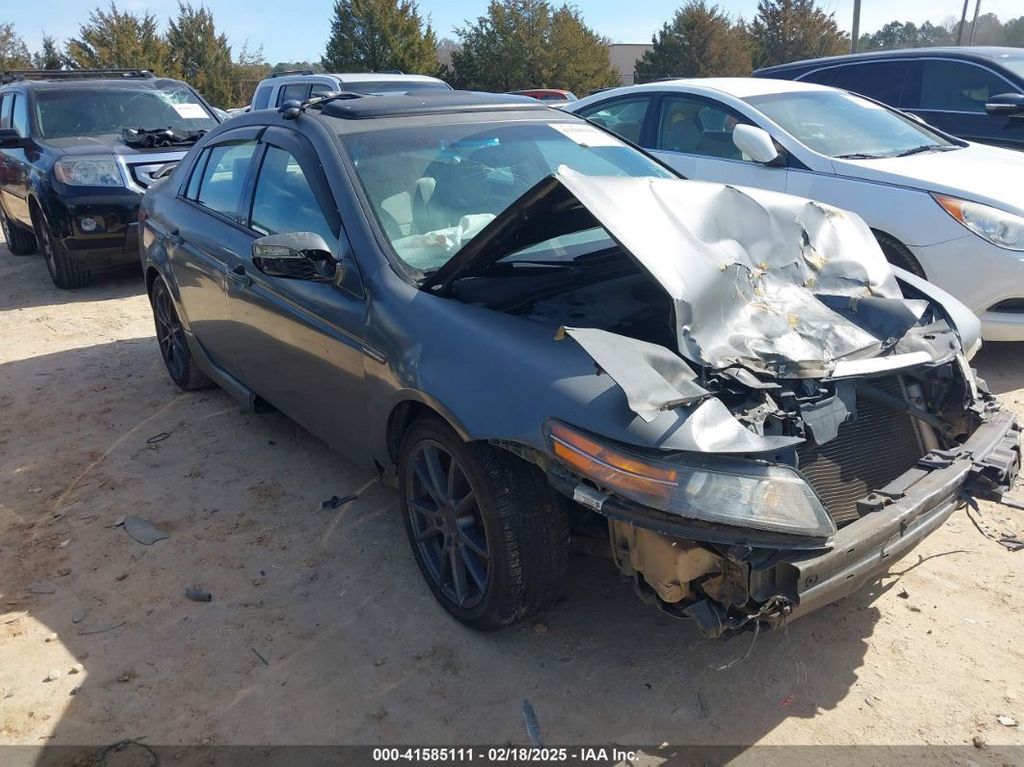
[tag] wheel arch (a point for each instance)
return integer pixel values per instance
(911, 264)
(411, 406)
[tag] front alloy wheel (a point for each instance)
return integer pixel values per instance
(489, 534)
(446, 522)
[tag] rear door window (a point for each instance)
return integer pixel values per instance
(222, 184)
(958, 86)
(6, 102)
(880, 80)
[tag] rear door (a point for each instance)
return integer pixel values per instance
(693, 134)
(951, 95)
(208, 247)
(300, 342)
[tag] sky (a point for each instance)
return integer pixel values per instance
(297, 30)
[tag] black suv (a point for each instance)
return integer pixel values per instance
(77, 151)
(974, 92)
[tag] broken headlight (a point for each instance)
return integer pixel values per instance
(98, 170)
(729, 491)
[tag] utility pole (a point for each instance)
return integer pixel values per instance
(963, 21)
(855, 35)
(974, 24)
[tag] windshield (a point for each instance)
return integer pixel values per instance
(377, 87)
(1011, 62)
(434, 189)
(841, 125)
(63, 113)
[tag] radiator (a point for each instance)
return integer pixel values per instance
(866, 455)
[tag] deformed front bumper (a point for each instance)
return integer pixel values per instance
(916, 505)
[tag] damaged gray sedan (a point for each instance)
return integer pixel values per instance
(538, 332)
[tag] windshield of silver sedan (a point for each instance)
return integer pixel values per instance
(844, 126)
(433, 189)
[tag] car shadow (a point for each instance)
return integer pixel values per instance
(320, 629)
(1001, 365)
(15, 271)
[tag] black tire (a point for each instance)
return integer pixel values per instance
(896, 253)
(512, 514)
(170, 336)
(19, 241)
(64, 272)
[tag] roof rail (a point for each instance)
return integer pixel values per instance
(293, 107)
(11, 75)
(293, 72)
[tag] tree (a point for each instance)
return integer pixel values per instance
(115, 38)
(1013, 32)
(504, 50)
(525, 43)
(49, 56)
(789, 30)
(699, 41)
(13, 51)
(297, 66)
(200, 56)
(578, 56)
(376, 35)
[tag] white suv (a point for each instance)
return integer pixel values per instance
(286, 86)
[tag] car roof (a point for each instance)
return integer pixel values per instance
(150, 83)
(738, 87)
(982, 53)
(429, 103)
(353, 77)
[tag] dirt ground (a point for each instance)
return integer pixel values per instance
(321, 630)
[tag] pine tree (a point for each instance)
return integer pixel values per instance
(790, 30)
(379, 35)
(700, 41)
(116, 38)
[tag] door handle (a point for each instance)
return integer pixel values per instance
(239, 276)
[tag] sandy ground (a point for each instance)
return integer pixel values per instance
(321, 630)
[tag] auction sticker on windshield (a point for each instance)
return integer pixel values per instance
(586, 135)
(189, 111)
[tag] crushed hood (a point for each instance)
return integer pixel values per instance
(759, 279)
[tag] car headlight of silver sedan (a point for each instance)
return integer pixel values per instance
(997, 226)
(93, 170)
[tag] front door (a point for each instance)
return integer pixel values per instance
(694, 136)
(951, 95)
(300, 342)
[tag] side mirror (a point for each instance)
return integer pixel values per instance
(9, 139)
(1006, 105)
(295, 256)
(755, 143)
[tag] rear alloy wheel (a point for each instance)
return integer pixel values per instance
(64, 272)
(19, 241)
(488, 533)
(170, 335)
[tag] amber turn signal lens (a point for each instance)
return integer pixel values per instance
(609, 467)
